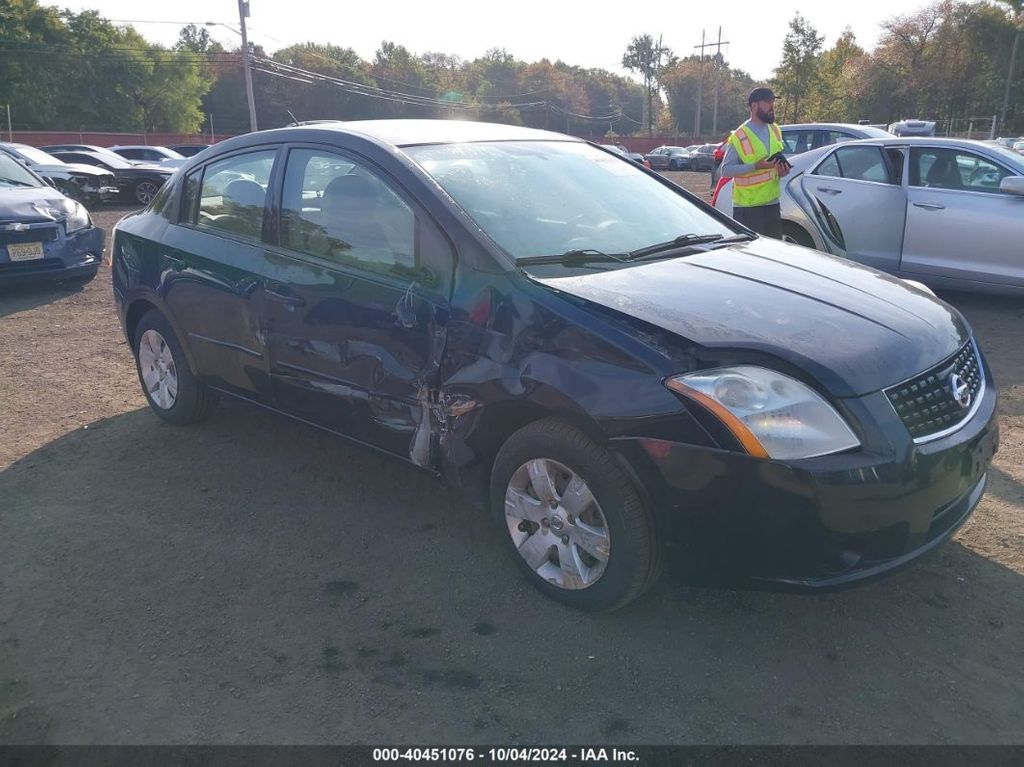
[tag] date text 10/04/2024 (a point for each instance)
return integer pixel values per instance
(503, 754)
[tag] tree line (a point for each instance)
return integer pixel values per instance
(61, 70)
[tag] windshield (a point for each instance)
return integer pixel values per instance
(872, 132)
(538, 198)
(1010, 157)
(37, 156)
(13, 173)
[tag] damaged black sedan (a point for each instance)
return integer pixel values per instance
(610, 367)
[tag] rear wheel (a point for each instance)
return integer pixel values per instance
(571, 518)
(170, 388)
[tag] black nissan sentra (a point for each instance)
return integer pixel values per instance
(610, 367)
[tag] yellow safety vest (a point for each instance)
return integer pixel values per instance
(759, 187)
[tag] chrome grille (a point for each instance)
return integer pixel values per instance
(926, 404)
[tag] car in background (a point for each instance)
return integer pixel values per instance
(621, 151)
(703, 157)
(913, 128)
(942, 211)
(601, 361)
(135, 182)
(78, 181)
(157, 155)
(798, 138)
(188, 150)
(44, 235)
(668, 158)
(100, 150)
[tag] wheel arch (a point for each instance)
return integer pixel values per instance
(137, 309)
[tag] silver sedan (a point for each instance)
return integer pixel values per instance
(947, 212)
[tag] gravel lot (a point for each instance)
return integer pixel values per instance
(251, 580)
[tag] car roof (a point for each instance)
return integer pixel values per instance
(401, 133)
(137, 146)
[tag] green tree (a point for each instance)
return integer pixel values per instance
(647, 58)
(796, 75)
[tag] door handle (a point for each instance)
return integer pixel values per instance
(283, 298)
(930, 205)
(829, 190)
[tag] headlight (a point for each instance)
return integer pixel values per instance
(771, 414)
(76, 216)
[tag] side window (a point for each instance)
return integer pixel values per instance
(952, 169)
(830, 137)
(979, 174)
(233, 194)
(339, 209)
(857, 163)
(797, 141)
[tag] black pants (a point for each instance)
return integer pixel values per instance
(763, 219)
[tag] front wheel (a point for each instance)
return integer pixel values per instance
(572, 519)
(172, 391)
(145, 191)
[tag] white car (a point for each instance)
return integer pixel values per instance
(158, 155)
(946, 212)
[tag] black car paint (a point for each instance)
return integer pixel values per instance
(440, 378)
(65, 256)
(125, 179)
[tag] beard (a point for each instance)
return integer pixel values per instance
(766, 116)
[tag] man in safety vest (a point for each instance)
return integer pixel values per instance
(755, 178)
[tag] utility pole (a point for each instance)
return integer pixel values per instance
(700, 81)
(700, 89)
(243, 13)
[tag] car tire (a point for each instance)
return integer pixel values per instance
(675, 165)
(797, 235)
(171, 390)
(593, 544)
(145, 191)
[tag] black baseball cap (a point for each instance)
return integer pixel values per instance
(760, 94)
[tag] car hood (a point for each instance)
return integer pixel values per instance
(139, 171)
(31, 205)
(74, 168)
(852, 328)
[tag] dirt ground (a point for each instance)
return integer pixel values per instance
(251, 580)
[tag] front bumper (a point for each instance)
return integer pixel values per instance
(822, 522)
(64, 257)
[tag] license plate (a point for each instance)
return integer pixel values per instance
(28, 251)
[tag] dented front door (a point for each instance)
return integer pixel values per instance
(354, 303)
(355, 355)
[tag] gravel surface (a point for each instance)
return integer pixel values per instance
(252, 580)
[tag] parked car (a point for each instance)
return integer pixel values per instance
(946, 212)
(798, 138)
(135, 182)
(702, 158)
(189, 150)
(668, 158)
(99, 150)
(79, 182)
(157, 155)
(43, 234)
(621, 151)
(913, 128)
(591, 353)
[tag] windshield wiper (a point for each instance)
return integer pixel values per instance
(572, 257)
(683, 241)
(14, 181)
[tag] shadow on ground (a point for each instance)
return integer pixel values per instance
(253, 581)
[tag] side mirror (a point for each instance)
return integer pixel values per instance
(1012, 185)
